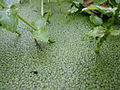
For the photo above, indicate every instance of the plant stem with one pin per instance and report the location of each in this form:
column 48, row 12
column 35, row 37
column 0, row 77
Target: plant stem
column 27, row 23
column 42, row 12
column 37, row 44
column 100, row 43
column 3, row 6
column 48, row 1
column 19, row 34
column 51, row 40
column 30, row 2
column 61, row 7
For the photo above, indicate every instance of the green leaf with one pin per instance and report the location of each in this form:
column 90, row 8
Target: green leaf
column 110, row 21
column 41, row 35
column 8, row 19
column 89, row 8
column 77, row 3
column 107, row 10
column 115, row 32
column 40, row 23
column 100, row 42
column 100, row 1
column 96, row 20
column 97, row 32
column 104, row 10
column 73, row 10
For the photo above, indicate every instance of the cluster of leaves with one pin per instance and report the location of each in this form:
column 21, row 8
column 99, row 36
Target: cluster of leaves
column 103, row 14
column 9, row 21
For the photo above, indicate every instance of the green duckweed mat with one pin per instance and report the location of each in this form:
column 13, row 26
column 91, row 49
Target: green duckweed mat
column 68, row 64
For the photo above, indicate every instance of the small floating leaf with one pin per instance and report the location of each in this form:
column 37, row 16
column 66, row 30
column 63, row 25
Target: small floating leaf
column 115, row 32
column 41, row 35
column 97, row 32
column 40, row 23
column 8, row 19
column 73, row 10
column 96, row 20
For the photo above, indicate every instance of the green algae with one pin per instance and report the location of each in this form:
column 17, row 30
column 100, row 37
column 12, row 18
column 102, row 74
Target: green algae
column 68, row 64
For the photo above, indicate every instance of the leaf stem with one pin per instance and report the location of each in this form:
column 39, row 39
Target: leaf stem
column 42, row 11
column 51, row 40
column 27, row 23
column 30, row 2
column 37, row 44
column 100, row 43
column 48, row 1
column 3, row 6
column 19, row 34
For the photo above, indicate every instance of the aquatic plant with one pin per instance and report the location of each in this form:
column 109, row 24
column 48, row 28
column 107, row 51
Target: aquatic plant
column 103, row 14
column 9, row 20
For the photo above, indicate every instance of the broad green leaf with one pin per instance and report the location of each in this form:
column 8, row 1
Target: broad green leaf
column 89, row 8
column 8, row 19
column 115, row 32
column 87, row 11
column 40, row 23
column 103, row 10
column 110, row 21
column 41, row 35
column 73, row 10
column 99, row 1
column 106, row 10
column 97, row 32
column 76, row 2
column 96, row 20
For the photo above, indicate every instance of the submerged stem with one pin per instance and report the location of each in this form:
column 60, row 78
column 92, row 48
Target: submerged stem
column 37, row 44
